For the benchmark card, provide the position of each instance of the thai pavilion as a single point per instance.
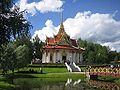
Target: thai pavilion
(61, 48)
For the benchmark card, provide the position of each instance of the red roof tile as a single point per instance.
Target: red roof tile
(50, 41)
(62, 47)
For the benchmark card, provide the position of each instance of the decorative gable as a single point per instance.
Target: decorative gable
(64, 41)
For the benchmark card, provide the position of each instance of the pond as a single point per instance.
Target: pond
(62, 84)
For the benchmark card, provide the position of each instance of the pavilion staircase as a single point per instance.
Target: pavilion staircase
(72, 67)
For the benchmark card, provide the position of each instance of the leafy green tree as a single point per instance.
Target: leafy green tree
(94, 53)
(37, 44)
(22, 56)
(25, 40)
(12, 22)
(14, 57)
(8, 58)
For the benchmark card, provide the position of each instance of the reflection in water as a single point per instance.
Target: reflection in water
(104, 85)
(78, 85)
(77, 82)
(52, 84)
(69, 81)
(65, 84)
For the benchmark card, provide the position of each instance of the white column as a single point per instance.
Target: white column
(48, 58)
(60, 56)
(73, 57)
(68, 55)
(54, 57)
(81, 58)
(57, 57)
(44, 57)
(77, 58)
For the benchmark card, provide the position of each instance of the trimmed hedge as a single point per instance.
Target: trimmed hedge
(62, 65)
(48, 65)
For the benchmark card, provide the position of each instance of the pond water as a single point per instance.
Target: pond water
(62, 84)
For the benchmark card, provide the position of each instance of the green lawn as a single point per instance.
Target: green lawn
(49, 75)
(60, 75)
(55, 70)
(45, 69)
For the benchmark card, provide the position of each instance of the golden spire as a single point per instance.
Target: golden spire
(61, 21)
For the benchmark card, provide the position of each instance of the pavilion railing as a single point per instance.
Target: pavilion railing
(104, 71)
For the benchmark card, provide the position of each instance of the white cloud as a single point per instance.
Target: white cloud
(49, 30)
(99, 28)
(42, 6)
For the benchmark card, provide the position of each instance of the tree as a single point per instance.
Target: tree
(14, 57)
(13, 25)
(94, 53)
(12, 22)
(8, 58)
(22, 56)
(25, 40)
(37, 44)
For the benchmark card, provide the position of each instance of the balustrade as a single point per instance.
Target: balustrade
(104, 71)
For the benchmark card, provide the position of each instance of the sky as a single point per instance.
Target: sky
(97, 21)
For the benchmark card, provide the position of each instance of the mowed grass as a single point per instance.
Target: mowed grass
(54, 73)
(60, 75)
(55, 70)
(45, 69)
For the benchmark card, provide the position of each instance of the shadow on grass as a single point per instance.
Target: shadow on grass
(20, 75)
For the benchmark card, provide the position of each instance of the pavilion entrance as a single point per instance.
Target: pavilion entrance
(63, 59)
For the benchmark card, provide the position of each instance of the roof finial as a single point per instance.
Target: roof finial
(61, 17)
(61, 20)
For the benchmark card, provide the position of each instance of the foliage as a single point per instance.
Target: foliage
(22, 56)
(13, 25)
(25, 40)
(8, 58)
(37, 44)
(12, 22)
(45, 69)
(48, 65)
(95, 53)
(14, 57)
